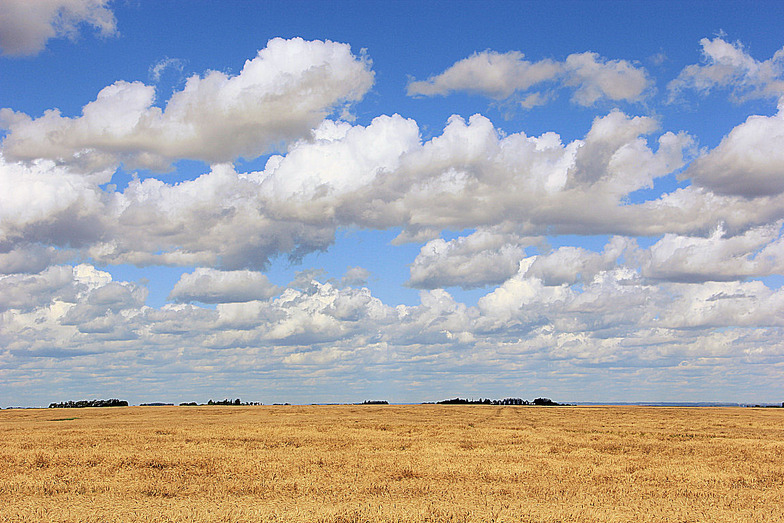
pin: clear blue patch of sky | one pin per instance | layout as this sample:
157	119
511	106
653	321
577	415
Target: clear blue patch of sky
662	185
369	249
774	281
159	280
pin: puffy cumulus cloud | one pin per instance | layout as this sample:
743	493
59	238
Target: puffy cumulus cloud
748	162
25	291
518	302
211	286
26	26
498	75
59	305
501	75
355	277
570	265
722	304
217	220
480	259
103	309
696	211
320	313
382	175
31	258
595	78
42	202
471	177
278	96
727	65
614	322
756	253
339	158
376	176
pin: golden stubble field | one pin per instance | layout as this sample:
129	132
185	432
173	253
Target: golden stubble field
392	463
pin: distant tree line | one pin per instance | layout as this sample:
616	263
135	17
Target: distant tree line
374	402
506	401
232	402
88	403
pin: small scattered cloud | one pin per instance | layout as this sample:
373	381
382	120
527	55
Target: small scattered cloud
27	25
207	285
157	69
502	75
728	65
355	277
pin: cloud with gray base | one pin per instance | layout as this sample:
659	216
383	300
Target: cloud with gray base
27	25
729	66
278	97
212	286
502	75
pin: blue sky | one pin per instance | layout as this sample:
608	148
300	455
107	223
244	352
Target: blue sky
340	201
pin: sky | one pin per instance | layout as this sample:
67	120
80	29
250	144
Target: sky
318	202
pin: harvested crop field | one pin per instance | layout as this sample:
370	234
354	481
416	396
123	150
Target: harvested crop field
392	463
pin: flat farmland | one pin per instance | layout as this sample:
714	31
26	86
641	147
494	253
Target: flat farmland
392	463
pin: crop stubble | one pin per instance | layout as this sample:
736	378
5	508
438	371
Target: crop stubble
335	464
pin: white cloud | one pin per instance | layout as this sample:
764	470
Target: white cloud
596	78
614	319
279	96
728	65
212	286
24	292
41	202
722	304
30	258
379	176
157	69
480	259
26	25
748	162
570	265
355	277
318	314
756	253
501	75
217	220
497	75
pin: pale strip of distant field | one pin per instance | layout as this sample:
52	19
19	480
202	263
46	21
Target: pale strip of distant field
415	463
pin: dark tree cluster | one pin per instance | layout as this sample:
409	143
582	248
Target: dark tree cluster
232	402
375	402
506	401
88	403
480	401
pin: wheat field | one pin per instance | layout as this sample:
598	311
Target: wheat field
420	463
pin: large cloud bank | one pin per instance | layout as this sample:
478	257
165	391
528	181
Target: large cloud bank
683	307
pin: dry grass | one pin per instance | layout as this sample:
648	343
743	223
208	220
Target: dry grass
392	463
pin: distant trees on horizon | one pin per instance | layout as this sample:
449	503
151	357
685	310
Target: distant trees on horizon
506	401
232	402
88	403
